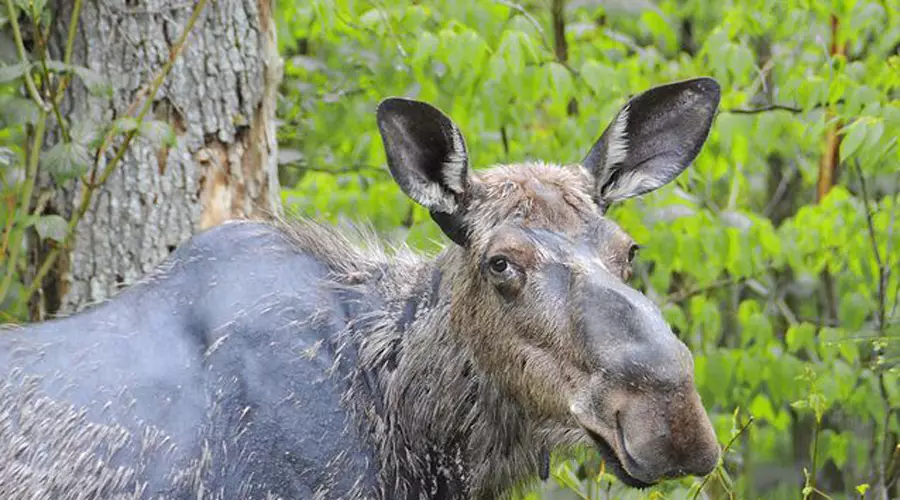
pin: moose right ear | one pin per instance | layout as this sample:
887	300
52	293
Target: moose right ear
426	154
652	139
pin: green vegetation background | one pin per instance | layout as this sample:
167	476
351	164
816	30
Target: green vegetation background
774	256
778	292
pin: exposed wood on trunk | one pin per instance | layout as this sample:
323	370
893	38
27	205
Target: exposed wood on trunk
829	163
219	98
828	172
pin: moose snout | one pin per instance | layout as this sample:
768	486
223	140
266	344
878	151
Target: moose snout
668	436
643	402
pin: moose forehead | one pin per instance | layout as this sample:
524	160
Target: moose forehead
648	143
541	199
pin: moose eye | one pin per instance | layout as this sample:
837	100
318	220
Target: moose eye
632	251
498	264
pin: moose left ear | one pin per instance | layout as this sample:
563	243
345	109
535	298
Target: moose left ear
426	154
652	139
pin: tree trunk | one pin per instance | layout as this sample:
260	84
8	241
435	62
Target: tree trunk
219	98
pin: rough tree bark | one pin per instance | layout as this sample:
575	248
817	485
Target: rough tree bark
220	100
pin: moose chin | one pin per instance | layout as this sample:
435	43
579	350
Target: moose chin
292	359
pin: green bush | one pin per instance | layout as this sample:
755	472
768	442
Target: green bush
781	284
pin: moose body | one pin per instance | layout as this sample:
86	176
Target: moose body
295	360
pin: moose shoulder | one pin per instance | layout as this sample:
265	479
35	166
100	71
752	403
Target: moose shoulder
289	360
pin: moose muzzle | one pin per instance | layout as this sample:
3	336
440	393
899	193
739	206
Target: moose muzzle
640	408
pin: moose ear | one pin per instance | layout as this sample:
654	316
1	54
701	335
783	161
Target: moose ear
652	139
426	154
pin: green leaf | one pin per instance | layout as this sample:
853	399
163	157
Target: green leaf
800	336
513	53
124	124
855	133
53	227
837	446
560	81
761	408
88	133
37	8
565	477
15	110
675	317
659	26
65	161
96	83
854	309
158	132
10	73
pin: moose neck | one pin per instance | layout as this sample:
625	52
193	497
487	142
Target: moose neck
441	426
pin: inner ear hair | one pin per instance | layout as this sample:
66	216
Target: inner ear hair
426	154
652	139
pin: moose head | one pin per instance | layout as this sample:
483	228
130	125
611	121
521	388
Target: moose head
540	291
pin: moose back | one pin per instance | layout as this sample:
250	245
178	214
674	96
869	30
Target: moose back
295	360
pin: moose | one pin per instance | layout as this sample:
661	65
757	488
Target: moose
294	359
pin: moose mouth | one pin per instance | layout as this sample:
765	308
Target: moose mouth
613	463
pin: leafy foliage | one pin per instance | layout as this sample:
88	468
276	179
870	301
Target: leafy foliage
768	274
772	257
31	88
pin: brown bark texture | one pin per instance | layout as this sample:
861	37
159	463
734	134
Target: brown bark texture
219	98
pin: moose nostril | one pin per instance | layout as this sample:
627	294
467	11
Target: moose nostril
693	438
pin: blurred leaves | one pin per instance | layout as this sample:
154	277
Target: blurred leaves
735	248
734	251
66	160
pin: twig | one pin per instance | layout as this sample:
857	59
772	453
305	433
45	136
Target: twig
534	22
883	276
87	194
45	73
780	191
765	109
25	202
73	24
67	56
811	476
686	294
10	217
882	270
778	107
724	451
346	170
20	47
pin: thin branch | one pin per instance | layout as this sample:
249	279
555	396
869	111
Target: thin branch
883	275
724	451
88	192
67	56
25	202
715	285
73	24
45	74
882	270
786	311
811	477
534	22
346	170
780	191
780	107
10	217
23	56
766	109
